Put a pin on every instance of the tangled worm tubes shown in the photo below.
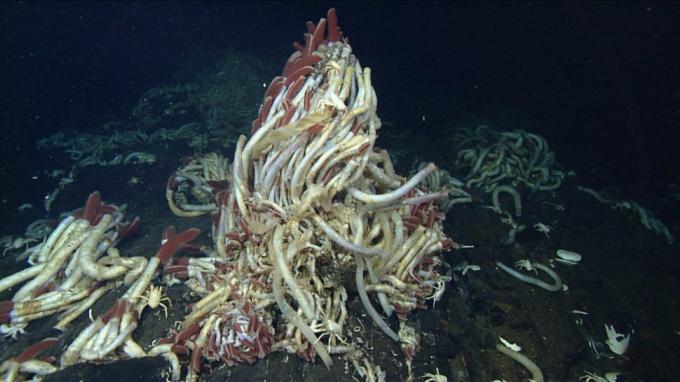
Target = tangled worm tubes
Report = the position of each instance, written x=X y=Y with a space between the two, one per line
x=312 y=199
x=76 y=264
x=309 y=200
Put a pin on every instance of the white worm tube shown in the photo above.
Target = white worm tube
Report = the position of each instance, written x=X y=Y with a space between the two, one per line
x=136 y=290
x=282 y=266
x=341 y=241
x=55 y=262
x=395 y=194
x=52 y=239
x=174 y=365
x=367 y=303
x=425 y=198
x=517 y=200
x=536 y=374
x=256 y=138
x=292 y=316
x=117 y=341
x=21 y=276
x=34 y=366
x=71 y=354
x=87 y=254
x=73 y=313
x=557 y=286
x=239 y=182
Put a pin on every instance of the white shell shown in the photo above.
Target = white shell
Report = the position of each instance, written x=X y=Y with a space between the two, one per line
x=512 y=346
x=617 y=342
x=568 y=255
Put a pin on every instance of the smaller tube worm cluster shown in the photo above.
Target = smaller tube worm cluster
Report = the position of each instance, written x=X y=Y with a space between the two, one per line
x=195 y=188
x=76 y=264
x=502 y=162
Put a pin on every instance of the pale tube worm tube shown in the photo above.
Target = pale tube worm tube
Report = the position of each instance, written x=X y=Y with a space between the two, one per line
x=532 y=280
x=536 y=374
x=395 y=194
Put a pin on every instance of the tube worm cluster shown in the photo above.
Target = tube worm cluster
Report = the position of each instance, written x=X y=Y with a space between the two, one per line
x=195 y=188
x=506 y=162
x=310 y=200
x=72 y=268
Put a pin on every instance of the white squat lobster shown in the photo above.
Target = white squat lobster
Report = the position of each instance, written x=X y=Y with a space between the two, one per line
x=153 y=298
x=525 y=264
x=429 y=377
x=594 y=377
x=543 y=228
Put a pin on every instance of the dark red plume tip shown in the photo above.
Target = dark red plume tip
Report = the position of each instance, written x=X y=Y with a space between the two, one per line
x=316 y=129
x=255 y=125
x=128 y=229
x=34 y=349
x=94 y=209
x=297 y=61
x=274 y=87
x=170 y=269
x=218 y=185
x=168 y=233
x=301 y=63
x=222 y=197
x=307 y=102
x=121 y=308
x=180 y=349
x=317 y=37
x=183 y=260
x=311 y=27
x=313 y=38
x=185 y=160
x=334 y=33
x=299 y=73
x=6 y=308
x=298 y=47
x=266 y=106
x=92 y=206
x=46 y=287
x=187 y=332
x=295 y=88
x=172 y=182
x=287 y=117
x=173 y=242
x=196 y=359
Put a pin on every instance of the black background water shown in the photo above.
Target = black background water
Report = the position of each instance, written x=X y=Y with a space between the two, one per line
x=602 y=78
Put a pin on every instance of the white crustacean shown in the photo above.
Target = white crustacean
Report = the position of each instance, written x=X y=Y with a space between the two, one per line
x=543 y=228
x=594 y=377
x=329 y=328
x=12 y=330
x=135 y=180
x=436 y=377
x=331 y=320
x=525 y=264
x=153 y=298
x=10 y=243
x=617 y=342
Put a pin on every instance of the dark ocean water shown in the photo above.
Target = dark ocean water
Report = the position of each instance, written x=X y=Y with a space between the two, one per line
x=600 y=77
x=598 y=80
